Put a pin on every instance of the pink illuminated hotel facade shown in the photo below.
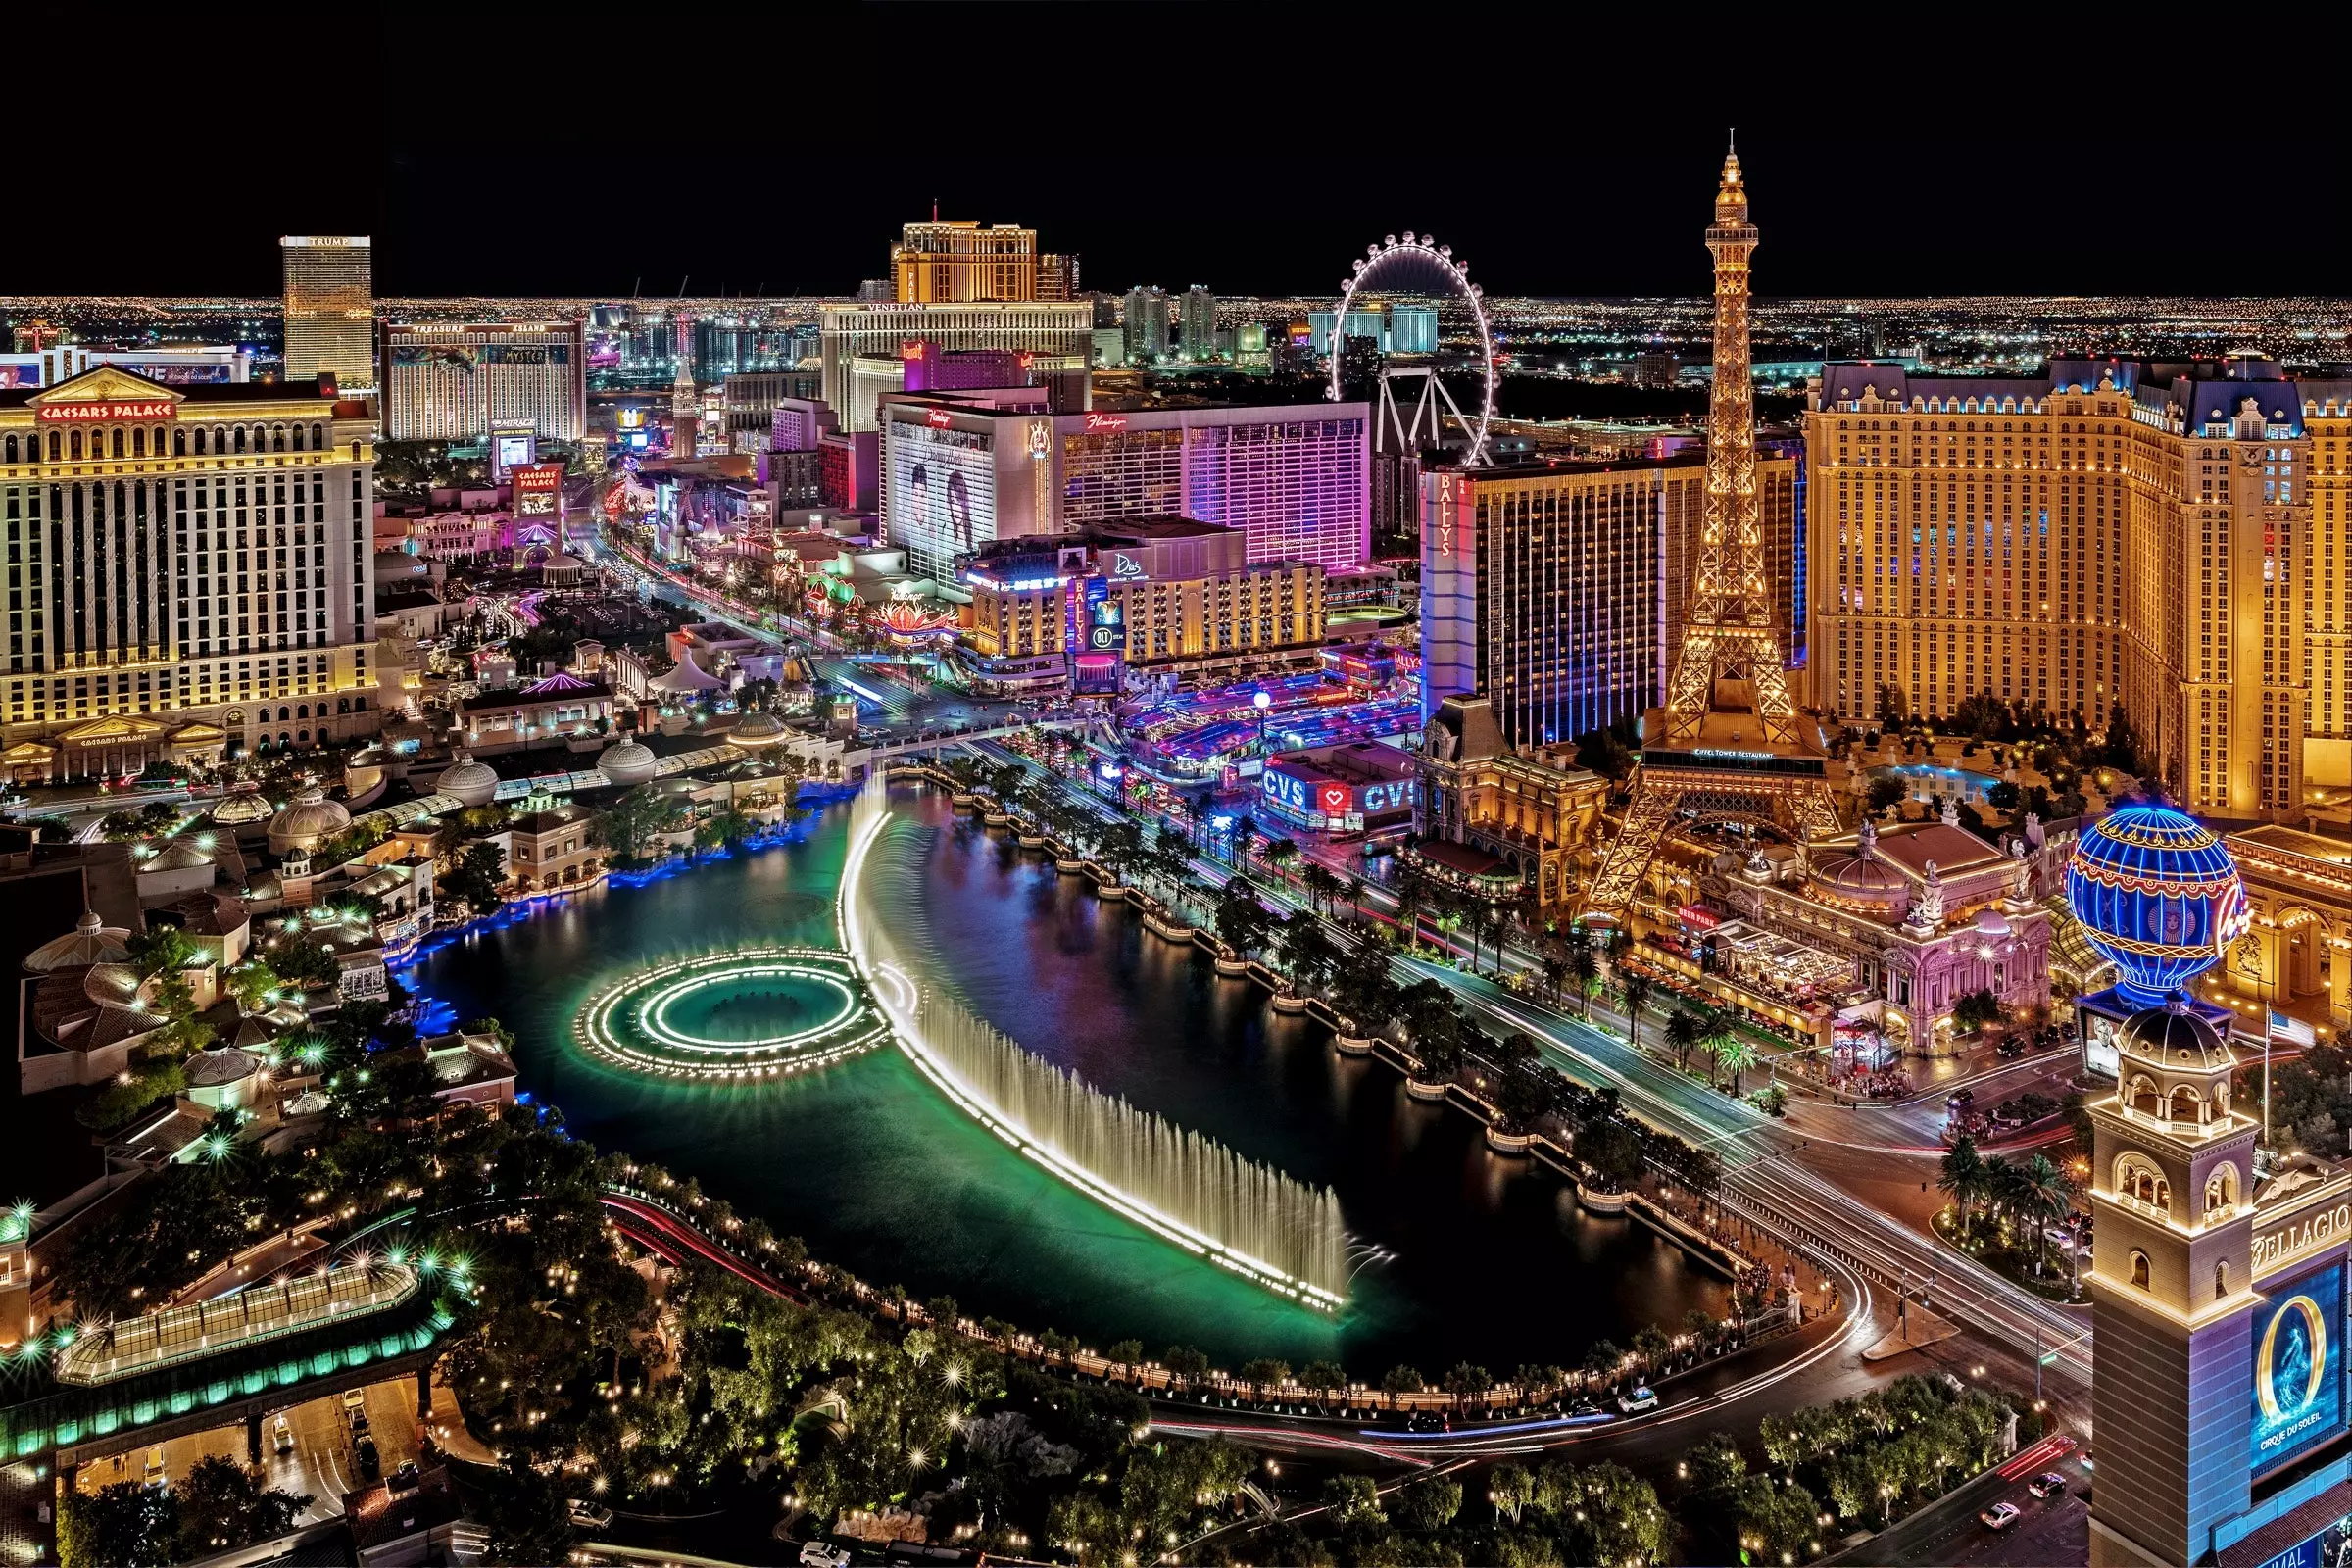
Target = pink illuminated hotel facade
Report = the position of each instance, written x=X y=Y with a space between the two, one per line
x=958 y=472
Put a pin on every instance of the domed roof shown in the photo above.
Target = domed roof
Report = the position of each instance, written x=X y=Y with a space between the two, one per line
x=92 y=941
x=467 y=781
x=628 y=762
x=211 y=1069
x=181 y=854
x=2157 y=894
x=240 y=809
x=308 y=818
x=1857 y=873
x=761 y=728
x=2174 y=1037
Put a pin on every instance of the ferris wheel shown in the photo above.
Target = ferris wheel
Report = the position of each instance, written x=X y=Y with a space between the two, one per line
x=1417 y=256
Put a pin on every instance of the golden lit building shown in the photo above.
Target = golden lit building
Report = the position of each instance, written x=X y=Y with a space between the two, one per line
x=2154 y=533
x=329 y=308
x=1529 y=809
x=956 y=264
x=191 y=570
x=1166 y=594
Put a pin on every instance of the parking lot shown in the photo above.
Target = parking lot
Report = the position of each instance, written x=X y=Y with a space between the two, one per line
x=322 y=1461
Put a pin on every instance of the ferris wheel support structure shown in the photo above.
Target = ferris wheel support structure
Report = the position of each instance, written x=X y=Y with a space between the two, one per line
x=1422 y=250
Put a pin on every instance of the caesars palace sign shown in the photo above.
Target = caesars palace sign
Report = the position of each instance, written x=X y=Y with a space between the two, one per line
x=109 y=410
x=2275 y=1248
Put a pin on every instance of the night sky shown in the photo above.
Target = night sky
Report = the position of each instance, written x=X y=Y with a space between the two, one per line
x=1251 y=149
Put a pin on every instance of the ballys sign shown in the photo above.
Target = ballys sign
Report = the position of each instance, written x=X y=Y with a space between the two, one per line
x=109 y=410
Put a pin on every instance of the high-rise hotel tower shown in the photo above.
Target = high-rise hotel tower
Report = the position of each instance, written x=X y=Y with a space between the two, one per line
x=330 y=308
x=2174 y=536
x=190 y=571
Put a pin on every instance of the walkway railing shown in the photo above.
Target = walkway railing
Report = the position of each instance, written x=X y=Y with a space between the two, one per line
x=229 y=1322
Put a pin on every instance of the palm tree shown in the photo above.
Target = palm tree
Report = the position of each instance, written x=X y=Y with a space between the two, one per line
x=1963 y=1176
x=1684 y=1029
x=2045 y=1193
x=1355 y=896
x=1733 y=1051
x=1583 y=967
x=1636 y=989
x=1555 y=974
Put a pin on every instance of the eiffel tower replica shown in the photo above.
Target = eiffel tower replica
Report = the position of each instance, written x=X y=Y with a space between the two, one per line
x=1729 y=746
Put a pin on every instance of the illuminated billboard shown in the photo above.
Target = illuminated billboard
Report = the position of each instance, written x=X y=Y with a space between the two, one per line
x=1105 y=623
x=941 y=499
x=2299 y=1367
x=538 y=489
x=510 y=450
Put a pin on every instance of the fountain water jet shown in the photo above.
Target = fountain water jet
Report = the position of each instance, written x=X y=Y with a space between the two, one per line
x=1247 y=1217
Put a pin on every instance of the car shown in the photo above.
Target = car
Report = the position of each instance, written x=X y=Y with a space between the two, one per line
x=2000 y=1516
x=2048 y=1484
x=407 y=1478
x=823 y=1554
x=2011 y=1049
x=282 y=1434
x=586 y=1515
x=1424 y=1421
x=354 y=1401
x=154 y=1476
x=371 y=1463
x=360 y=1428
x=1642 y=1398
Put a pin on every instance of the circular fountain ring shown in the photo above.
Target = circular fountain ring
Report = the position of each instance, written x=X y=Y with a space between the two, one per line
x=631 y=1021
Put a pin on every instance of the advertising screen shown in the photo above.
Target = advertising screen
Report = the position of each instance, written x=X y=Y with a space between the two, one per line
x=2100 y=1053
x=2299 y=1370
x=538 y=489
x=515 y=451
x=1105 y=628
x=941 y=499
x=1284 y=791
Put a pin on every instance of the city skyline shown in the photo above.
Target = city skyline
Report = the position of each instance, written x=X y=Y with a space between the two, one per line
x=758 y=805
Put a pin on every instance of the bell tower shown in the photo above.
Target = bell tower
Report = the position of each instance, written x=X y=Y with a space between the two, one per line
x=2172 y=1193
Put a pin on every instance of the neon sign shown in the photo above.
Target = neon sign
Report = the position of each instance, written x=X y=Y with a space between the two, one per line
x=938 y=420
x=109 y=409
x=1106 y=422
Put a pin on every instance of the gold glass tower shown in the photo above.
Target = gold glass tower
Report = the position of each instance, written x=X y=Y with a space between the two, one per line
x=331 y=308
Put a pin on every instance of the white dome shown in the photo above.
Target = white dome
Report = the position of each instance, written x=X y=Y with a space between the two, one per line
x=240 y=809
x=467 y=781
x=222 y=1066
x=92 y=941
x=757 y=730
x=628 y=762
x=307 y=818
